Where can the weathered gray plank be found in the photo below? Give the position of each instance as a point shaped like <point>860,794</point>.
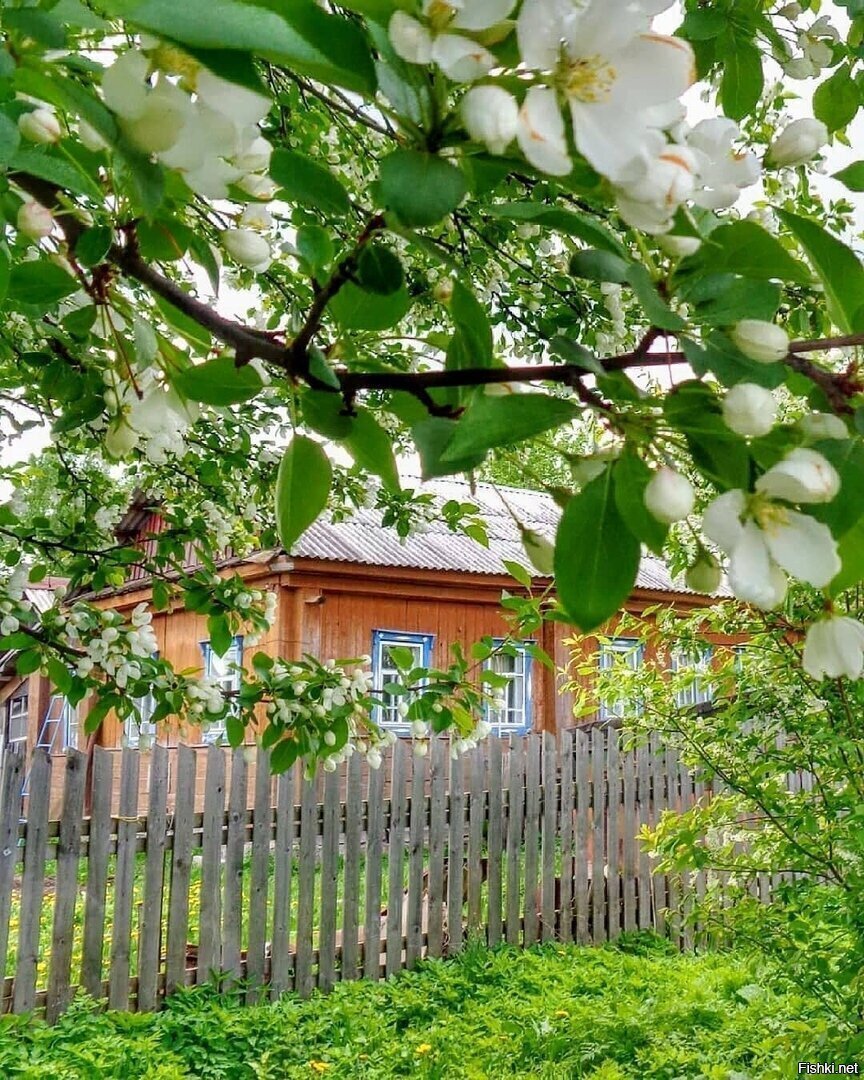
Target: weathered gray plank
<point>283,858</point>
<point>476,821</point>
<point>97,871</point>
<point>581,882</point>
<point>150,938</point>
<point>532,837</point>
<point>304,977</point>
<point>395,859</point>
<point>414,928</point>
<point>549,837</point>
<point>372,906</point>
<point>597,738</point>
<point>259,873</point>
<point>516,803</point>
<point>124,882</point>
<point>354,828</point>
<point>177,936</point>
<point>629,839</point>
<point>210,924</point>
<point>643,862</point>
<point>10,814</point>
<point>437,832</point>
<point>613,818</point>
<point>33,882</point>
<point>232,888</point>
<point>656,764</point>
<point>687,799</point>
<point>66,889</point>
<point>329,880</point>
<point>455,866</point>
<point>495,843</point>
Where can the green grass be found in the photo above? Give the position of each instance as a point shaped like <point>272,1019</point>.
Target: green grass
<point>637,1010</point>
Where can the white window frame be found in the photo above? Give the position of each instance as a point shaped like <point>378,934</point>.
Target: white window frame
<point>421,645</point>
<point>229,678</point>
<point>517,716</point>
<point>633,653</point>
<point>16,699</point>
<point>701,690</point>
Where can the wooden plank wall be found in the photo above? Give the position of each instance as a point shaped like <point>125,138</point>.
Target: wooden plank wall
<point>355,873</point>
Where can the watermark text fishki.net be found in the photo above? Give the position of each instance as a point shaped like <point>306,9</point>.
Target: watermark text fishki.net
<point>828,1068</point>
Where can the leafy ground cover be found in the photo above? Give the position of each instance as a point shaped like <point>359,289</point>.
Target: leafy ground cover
<point>634,1010</point>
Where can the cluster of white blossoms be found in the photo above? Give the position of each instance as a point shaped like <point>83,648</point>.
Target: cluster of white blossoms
<point>150,415</point>
<point>12,605</point>
<point>117,647</point>
<point>815,42</point>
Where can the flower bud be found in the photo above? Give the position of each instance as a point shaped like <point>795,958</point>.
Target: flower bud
<point>834,647</point>
<point>790,11</point>
<point>759,340</point>
<point>410,39</point>
<point>247,248</point>
<point>491,116</point>
<point>669,496</point>
<point>749,410</point>
<point>704,576</point>
<point>35,220</point>
<point>803,476</point>
<point>443,290</point>
<point>539,550</point>
<point>798,142</point>
<point>40,126</point>
<point>90,137</point>
<point>819,425</point>
<point>679,246</point>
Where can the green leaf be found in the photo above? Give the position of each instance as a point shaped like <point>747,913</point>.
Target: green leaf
<point>719,355</point>
<point>596,555</point>
<point>219,382</point>
<point>745,248</point>
<point>420,188</point>
<point>356,309</point>
<point>723,299</point>
<point>325,413</point>
<point>235,730</point>
<point>10,138</point>
<point>315,246</point>
<point>305,181</point>
<point>219,633</point>
<point>658,311</point>
<point>28,661</point>
<point>68,95</point>
<point>847,509</point>
<point>58,170</point>
<point>40,283</point>
<point>372,448</point>
<point>693,409</point>
<point>39,25</point>
<point>838,268</point>
<point>852,176</point>
<point>184,324</point>
<point>93,245</point>
<point>742,81</point>
<point>284,754</point>
<point>471,319</point>
<point>598,265</point>
<point>98,713</point>
<point>836,100</point>
<point>5,273</point>
<point>302,488</point>
<point>851,551</point>
<point>569,222</point>
<point>432,437</point>
<point>500,420</point>
<point>380,270</point>
<point>631,478</point>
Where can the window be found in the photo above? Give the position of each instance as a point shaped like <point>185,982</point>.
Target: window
<point>515,663</point>
<point>16,719</point>
<point>225,671</point>
<point>59,728</point>
<point>384,671</point>
<point>700,689</point>
<point>613,652</point>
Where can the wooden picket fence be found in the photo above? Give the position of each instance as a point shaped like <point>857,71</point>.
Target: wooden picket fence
<point>357,873</point>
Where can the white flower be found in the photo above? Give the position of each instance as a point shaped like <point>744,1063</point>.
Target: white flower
<point>162,120</point>
<point>609,70</point>
<point>819,425</point>
<point>124,84</point>
<point>491,116</point>
<point>759,340</point>
<point>803,476</point>
<point>669,496</point>
<point>722,170</point>
<point>834,647</point>
<point>34,220</point>
<point>259,187</point>
<point>540,551</point>
<point>90,137</point>
<point>40,126</point>
<point>663,177</point>
<point>8,625</point>
<point>242,106</point>
<point>247,248</point>
<point>256,217</point>
<point>460,57</point>
<point>798,142</point>
<point>679,246</point>
<point>373,758</point>
<point>749,410</point>
<point>541,133</point>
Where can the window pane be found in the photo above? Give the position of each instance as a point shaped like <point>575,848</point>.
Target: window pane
<point>700,689</point>
<point>17,717</point>
<point>515,715</point>
<point>385,671</point>
<point>615,652</point>
<point>225,672</point>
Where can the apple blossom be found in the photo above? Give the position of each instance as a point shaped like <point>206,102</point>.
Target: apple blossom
<point>491,116</point>
<point>459,56</point>
<point>834,647</point>
<point>669,496</point>
<point>541,134</point>
<point>247,248</point>
<point>819,425</point>
<point>664,178</point>
<point>539,550</point>
<point>797,143</point>
<point>759,340</point>
<point>679,246</point>
<point>749,410</point>
<point>802,476</point>
<point>722,171</point>
<point>40,126</point>
<point>34,220</point>
<point>257,217</point>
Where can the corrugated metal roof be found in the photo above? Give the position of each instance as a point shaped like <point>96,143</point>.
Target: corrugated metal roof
<point>361,538</point>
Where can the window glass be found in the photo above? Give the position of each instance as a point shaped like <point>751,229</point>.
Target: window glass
<point>700,689</point>
<point>515,663</point>
<point>225,672</point>
<point>384,671</point>
<point>615,651</point>
<point>16,718</point>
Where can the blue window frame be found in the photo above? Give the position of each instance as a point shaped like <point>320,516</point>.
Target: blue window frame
<point>226,672</point>
<point>385,671</point>
<point>619,650</point>
<point>700,690</point>
<point>516,715</point>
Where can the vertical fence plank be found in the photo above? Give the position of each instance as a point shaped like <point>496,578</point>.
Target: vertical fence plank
<point>549,838</point>
<point>599,865</point>
<point>476,820</point>
<point>304,978</point>
<point>329,880</point>
<point>669,775</point>
<point>66,887</point>
<point>10,815</point>
<point>455,866</point>
<point>565,765</point>
<point>32,883</point>
<point>657,805</point>
<point>644,868</point>
<point>354,829</point>
<point>124,882</point>
<point>177,935</point>
<point>98,845</point>
<point>629,839</point>
<point>613,819</point>
<point>232,895</point>
<point>516,803</point>
<point>210,916</point>
<point>495,843</point>
<point>395,858</point>
<point>150,940</point>
<point>581,880</point>
<point>259,874</point>
<point>687,799</point>
<point>372,906</point>
<point>437,829</point>
<point>417,822</point>
<point>283,861</point>
<point>532,837</point>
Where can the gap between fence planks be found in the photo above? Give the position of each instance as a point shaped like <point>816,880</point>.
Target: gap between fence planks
<point>296,884</point>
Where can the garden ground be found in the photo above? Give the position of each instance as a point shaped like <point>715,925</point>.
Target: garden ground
<point>634,1010</point>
